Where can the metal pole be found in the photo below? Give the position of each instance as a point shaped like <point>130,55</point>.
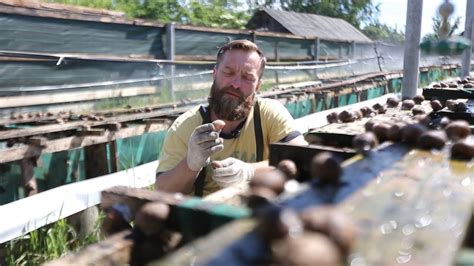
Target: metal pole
<point>170,53</point>
<point>316,55</point>
<point>411,55</point>
<point>466,54</point>
<point>353,49</point>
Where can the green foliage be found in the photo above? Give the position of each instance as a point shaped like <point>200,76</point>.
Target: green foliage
<point>383,32</point>
<point>101,4</point>
<point>210,13</point>
<point>48,243</point>
<point>452,25</point>
<point>356,12</point>
<point>232,13</point>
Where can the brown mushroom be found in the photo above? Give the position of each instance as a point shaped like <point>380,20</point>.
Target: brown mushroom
<point>395,132</point>
<point>392,102</point>
<point>381,131</point>
<point>458,129</point>
<point>418,99</point>
<point>364,142</point>
<point>288,167</point>
<point>407,104</point>
<point>274,180</point>
<point>436,105</point>
<point>432,139</point>
<point>326,168</point>
<point>462,150</point>
<point>308,249</point>
<point>412,132</point>
<point>418,110</point>
<point>332,117</point>
<point>346,116</point>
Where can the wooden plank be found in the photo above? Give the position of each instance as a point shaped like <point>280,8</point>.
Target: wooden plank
<point>447,93</point>
<point>417,212</point>
<point>18,153</point>
<point>202,250</point>
<point>246,247</point>
<point>115,250</point>
<point>341,134</point>
<point>302,155</point>
<point>95,159</point>
<point>185,211</point>
<point>17,133</point>
<point>67,97</point>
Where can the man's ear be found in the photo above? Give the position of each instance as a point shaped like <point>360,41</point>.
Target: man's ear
<point>214,72</point>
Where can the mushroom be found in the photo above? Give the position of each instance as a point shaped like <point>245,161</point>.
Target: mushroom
<point>458,129</point>
<point>432,139</point>
<point>418,99</point>
<point>326,168</point>
<point>462,150</point>
<point>288,167</point>
<point>364,142</point>
<point>412,132</point>
<point>407,104</point>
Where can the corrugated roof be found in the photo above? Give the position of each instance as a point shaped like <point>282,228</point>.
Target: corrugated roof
<point>312,26</point>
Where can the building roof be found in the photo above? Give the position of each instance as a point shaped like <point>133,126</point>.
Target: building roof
<point>313,26</point>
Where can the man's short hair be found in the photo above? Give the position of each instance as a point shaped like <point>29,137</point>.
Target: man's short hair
<point>245,45</point>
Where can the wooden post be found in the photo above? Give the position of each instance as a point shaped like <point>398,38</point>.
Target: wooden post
<point>170,54</point>
<point>96,164</point>
<point>28,176</point>
<point>253,36</point>
<point>411,50</point>
<point>466,55</point>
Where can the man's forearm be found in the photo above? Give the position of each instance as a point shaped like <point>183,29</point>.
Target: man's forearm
<point>179,179</point>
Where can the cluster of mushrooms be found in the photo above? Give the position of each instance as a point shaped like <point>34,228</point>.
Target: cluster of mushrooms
<point>347,116</point>
<point>316,236</point>
<point>421,131</point>
<point>468,82</point>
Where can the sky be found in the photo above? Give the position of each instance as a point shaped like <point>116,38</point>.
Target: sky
<point>393,13</point>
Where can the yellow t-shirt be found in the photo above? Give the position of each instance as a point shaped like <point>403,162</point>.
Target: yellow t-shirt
<point>276,123</point>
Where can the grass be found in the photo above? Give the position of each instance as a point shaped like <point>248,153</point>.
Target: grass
<point>49,243</point>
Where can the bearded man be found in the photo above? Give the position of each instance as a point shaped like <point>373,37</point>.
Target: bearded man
<point>232,134</point>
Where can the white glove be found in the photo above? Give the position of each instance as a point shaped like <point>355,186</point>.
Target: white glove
<point>203,142</point>
<point>231,171</point>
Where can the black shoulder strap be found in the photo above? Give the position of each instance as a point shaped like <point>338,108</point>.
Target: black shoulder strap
<point>200,180</point>
<point>258,131</point>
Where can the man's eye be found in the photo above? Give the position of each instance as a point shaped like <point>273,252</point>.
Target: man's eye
<point>249,78</point>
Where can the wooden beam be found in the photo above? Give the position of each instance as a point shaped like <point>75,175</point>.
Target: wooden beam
<point>183,209</point>
<point>76,96</point>
<point>18,153</point>
<point>17,133</point>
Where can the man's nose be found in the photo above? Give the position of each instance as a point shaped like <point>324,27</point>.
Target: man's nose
<point>236,82</point>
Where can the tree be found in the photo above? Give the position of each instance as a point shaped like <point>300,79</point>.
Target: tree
<point>383,32</point>
<point>211,13</point>
<point>452,26</point>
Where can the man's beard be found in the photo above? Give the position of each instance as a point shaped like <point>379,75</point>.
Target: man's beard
<point>228,107</point>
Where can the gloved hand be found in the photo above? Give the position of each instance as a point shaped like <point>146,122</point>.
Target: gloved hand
<point>203,142</point>
<point>231,171</point>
